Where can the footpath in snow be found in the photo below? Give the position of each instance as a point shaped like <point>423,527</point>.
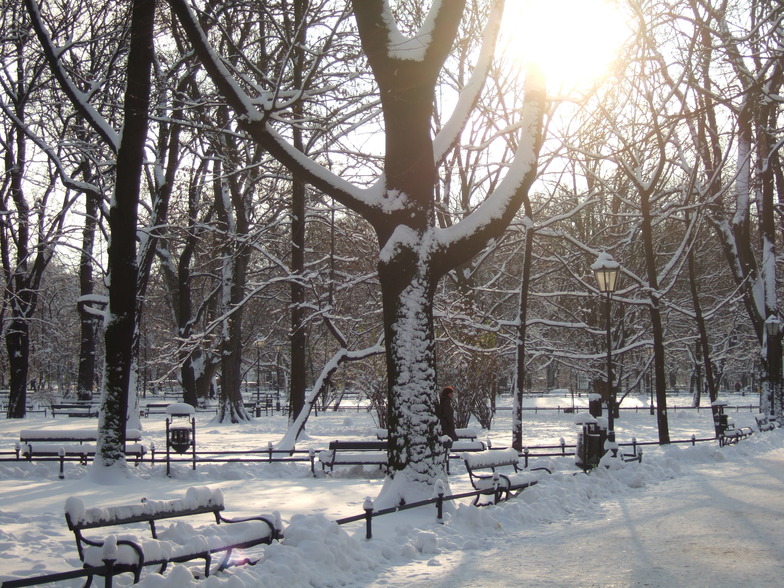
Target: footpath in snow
<point>714,526</point>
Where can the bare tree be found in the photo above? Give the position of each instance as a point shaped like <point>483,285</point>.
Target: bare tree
<point>414,254</point>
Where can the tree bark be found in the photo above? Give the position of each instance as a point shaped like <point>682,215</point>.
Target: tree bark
<point>123,216</point>
<point>89,322</point>
<point>298,378</point>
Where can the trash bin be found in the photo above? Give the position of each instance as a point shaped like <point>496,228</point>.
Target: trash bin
<point>180,432</point>
<point>595,405</point>
<point>590,443</point>
<point>720,420</point>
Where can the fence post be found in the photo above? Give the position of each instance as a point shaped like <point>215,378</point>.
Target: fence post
<point>525,457</point>
<point>61,453</point>
<point>563,446</point>
<point>440,501</point>
<point>368,506</point>
<point>693,440</point>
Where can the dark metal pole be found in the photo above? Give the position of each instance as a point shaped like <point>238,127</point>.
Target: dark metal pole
<point>650,387</point>
<point>610,392</point>
<point>277,379</point>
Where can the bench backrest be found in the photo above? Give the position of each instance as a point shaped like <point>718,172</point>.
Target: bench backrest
<point>358,445</point>
<point>490,459</point>
<point>199,500</point>
<point>69,435</point>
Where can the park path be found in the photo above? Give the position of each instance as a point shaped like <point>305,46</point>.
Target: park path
<point>714,527</point>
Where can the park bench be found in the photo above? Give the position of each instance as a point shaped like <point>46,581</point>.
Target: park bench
<point>375,452</point>
<point>155,408</point>
<point>354,453</point>
<point>75,409</point>
<point>732,434</point>
<point>497,473</point>
<point>457,448</point>
<point>726,431</point>
<point>65,443</point>
<point>764,422</point>
<point>178,543</point>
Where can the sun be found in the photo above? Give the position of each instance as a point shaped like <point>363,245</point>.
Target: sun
<point>572,41</point>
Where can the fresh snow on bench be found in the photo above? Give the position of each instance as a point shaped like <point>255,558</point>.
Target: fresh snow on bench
<point>491,459</point>
<point>195,497</point>
<point>75,435</point>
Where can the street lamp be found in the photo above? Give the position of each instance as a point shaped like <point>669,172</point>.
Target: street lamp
<point>773,331</point>
<point>606,270</point>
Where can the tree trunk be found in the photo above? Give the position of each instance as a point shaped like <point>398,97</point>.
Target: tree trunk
<point>415,454</point>
<point>298,343</point>
<point>660,376</point>
<point>89,322</point>
<point>17,344</point>
<point>120,327</point>
<point>525,284</point>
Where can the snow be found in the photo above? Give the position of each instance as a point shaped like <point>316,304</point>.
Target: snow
<point>411,48</point>
<point>686,516</point>
<point>180,409</point>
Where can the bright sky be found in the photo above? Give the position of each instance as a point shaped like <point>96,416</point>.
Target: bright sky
<point>573,41</point>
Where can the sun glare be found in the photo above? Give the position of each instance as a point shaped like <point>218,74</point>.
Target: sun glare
<point>572,41</point>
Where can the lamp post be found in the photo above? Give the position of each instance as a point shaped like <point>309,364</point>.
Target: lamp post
<point>773,332</point>
<point>606,270</point>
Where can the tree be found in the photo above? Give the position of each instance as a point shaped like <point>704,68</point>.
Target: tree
<point>414,254</point>
<point>123,215</point>
<point>33,213</point>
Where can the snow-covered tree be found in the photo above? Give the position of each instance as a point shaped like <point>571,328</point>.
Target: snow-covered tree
<point>414,253</point>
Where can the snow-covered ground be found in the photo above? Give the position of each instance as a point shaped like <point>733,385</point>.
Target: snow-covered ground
<point>685,516</point>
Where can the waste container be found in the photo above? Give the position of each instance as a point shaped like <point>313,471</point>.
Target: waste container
<point>720,420</point>
<point>590,442</point>
<point>180,432</point>
<point>595,405</point>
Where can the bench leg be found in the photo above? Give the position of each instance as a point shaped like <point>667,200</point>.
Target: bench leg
<point>224,561</point>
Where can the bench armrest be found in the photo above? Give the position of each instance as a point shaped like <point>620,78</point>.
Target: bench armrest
<point>273,521</point>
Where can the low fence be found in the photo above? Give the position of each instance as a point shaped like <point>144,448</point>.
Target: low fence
<point>578,409</point>
<point>106,570</point>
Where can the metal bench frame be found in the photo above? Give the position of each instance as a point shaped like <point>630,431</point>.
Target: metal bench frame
<point>116,519</point>
<point>499,472</point>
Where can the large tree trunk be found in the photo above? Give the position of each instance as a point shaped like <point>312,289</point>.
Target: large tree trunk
<point>121,322</point>
<point>17,344</point>
<point>415,454</point>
